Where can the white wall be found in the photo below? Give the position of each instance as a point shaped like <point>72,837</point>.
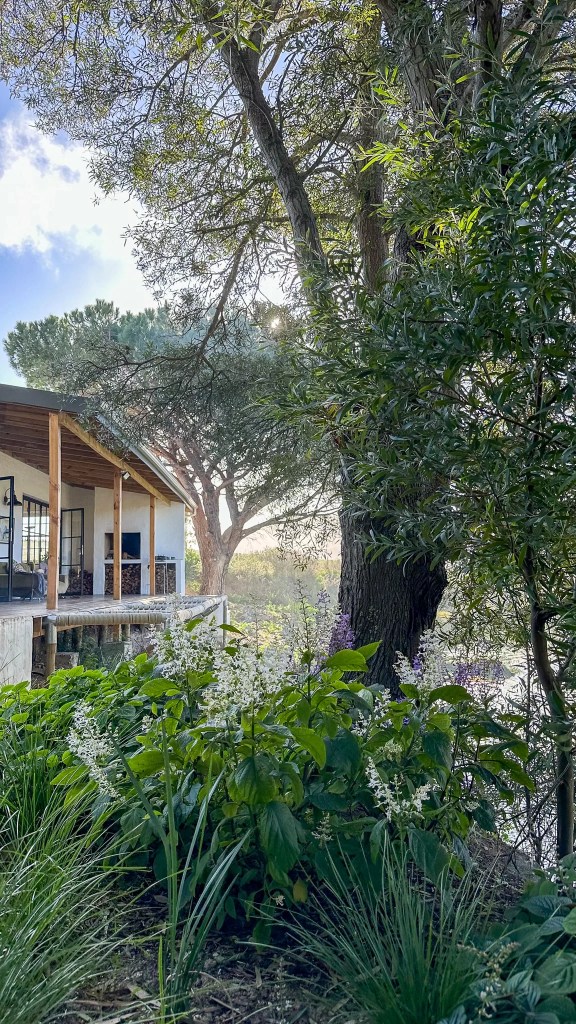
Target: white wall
<point>170,539</point>
<point>98,505</point>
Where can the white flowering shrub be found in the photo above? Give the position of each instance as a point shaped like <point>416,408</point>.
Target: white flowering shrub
<point>189,647</point>
<point>300,754</point>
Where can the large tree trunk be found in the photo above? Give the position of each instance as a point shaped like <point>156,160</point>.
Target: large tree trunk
<point>386,602</point>
<point>215,554</point>
<point>214,570</point>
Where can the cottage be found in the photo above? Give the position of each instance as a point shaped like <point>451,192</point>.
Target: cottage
<point>86,521</point>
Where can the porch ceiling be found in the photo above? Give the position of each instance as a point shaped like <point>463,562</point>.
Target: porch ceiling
<point>24,436</point>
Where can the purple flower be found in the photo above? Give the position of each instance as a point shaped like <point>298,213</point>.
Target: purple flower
<point>343,637</point>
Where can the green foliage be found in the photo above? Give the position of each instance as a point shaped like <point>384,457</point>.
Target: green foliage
<point>57,926</point>
<point>296,755</point>
<point>528,971</point>
<point>399,950</point>
<point>460,387</point>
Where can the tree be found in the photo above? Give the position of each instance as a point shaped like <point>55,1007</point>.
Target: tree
<point>241,130</point>
<point>466,374</point>
<point>241,468</point>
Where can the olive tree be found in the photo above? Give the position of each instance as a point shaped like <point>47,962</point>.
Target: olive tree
<point>462,382</point>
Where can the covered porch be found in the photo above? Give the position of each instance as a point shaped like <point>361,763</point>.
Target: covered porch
<point>90,524</point>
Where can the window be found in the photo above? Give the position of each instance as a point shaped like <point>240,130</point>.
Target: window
<point>35,530</point>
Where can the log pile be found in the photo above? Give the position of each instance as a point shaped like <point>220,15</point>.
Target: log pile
<point>165,578</point>
<point>131,579</point>
<point>79,584</point>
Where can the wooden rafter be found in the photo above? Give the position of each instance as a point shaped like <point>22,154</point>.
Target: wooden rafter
<point>70,424</point>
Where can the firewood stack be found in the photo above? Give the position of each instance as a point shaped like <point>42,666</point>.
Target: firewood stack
<point>131,579</point>
<point>165,578</point>
<point>80,584</point>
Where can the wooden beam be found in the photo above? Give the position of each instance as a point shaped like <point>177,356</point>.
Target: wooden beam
<point>70,424</point>
<point>55,504</point>
<point>50,649</point>
<point>152,545</point>
<point>117,584</point>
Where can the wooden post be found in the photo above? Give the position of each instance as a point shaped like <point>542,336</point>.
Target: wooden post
<point>55,502</point>
<point>117,584</point>
<point>51,643</point>
<point>152,545</point>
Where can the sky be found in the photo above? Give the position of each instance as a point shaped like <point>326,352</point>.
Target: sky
<point>59,249</point>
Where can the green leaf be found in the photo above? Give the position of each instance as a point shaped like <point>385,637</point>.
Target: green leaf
<point>484,816</point>
<point>544,905</point>
<point>429,854</point>
<point>252,782</point>
<point>347,661</point>
<point>327,801</point>
<point>147,762</point>
<point>557,975</point>
<point>279,835</point>
<point>160,688</point>
<point>376,838</point>
<point>290,774</point>
<point>569,922</point>
<point>344,752</point>
<point>311,742</point>
<point>410,690</point>
<point>452,693</point>
<point>438,746</point>
<point>368,650</point>
<point>563,1007</point>
<point>70,776</point>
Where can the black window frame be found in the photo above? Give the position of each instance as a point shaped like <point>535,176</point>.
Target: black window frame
<point>40,542</point>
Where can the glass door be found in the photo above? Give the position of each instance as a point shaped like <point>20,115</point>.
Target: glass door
<point>6,536</point>
<point>72,550</point>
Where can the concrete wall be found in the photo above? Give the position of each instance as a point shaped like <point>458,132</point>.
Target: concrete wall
<point>15,650</point>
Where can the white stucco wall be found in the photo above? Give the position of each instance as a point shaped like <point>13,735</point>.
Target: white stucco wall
<point>98,505</point>
<point>170,535</point>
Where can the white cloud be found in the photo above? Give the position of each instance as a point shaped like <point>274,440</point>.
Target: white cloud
<point>48,206</point>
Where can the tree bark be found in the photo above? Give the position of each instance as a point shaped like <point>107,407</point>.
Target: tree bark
<point>385,601</point>
<point>563,733</point>
<point>215,555</point>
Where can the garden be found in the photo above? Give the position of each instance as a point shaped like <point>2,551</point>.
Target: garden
<point>355,801</point>
<point>273,799</point>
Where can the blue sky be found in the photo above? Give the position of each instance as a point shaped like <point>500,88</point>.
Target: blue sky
<point>58,249</point>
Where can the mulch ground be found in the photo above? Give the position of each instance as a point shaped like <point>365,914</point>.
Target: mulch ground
<point>237,982</point>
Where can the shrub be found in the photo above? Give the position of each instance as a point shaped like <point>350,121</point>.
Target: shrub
<point>305,756</point>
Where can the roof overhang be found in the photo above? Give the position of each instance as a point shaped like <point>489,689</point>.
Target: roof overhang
<point>24,415</point>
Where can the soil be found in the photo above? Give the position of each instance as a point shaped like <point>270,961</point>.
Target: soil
<point>237,982</point>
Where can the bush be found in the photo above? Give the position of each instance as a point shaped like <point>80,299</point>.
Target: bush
<point>305,756</point>
<point>399,949</point>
